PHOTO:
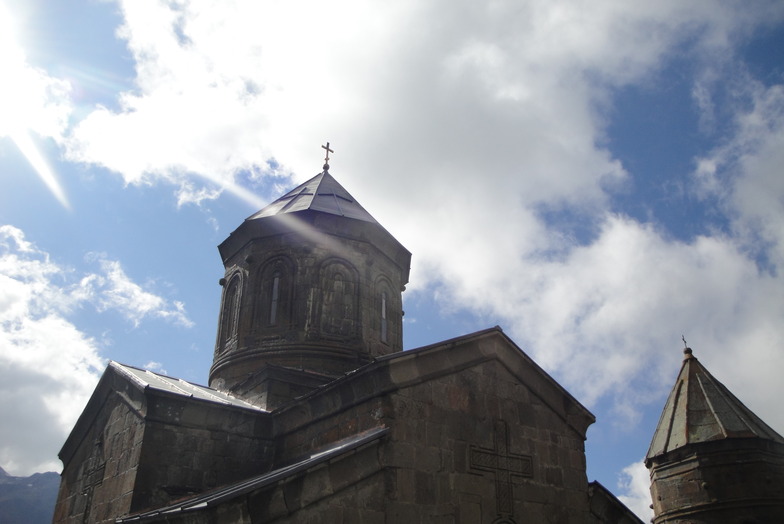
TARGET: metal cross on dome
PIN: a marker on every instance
(326, 158)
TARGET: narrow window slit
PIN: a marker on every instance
(274, 300)
(383, 317)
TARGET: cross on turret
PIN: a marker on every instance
(326, 158)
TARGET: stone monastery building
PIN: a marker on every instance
(315, 414)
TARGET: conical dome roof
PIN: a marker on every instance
(701, 409)
(320, 193)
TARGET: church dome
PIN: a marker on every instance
(312, 290)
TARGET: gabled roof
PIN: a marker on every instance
(701, 409)
(146, 379)
(320, 193)
(144, 383)
(415, 366)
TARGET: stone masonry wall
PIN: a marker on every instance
(477, 445)
(325, 432)
(192, 446)
(468, 446)
(350, 489)
(731, 480)
(347, 489)
(98, 482)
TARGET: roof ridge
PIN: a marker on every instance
(179, 386)
(710, 403)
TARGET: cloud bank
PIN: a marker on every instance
(487, 125)
(49, 366)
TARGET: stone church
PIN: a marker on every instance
(314, 413)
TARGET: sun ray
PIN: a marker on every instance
(28, 102)
(30, 151)
(240, 192)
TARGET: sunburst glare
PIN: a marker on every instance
(30, 102)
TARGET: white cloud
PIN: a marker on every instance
(607, 317)
(744, 174)
(156, 367)
(471, 118)
(224, 87)
(30, 99)
(634, 482)
(49, 366)
(113, 290)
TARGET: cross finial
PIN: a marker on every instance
(326, 158)
(686, 349)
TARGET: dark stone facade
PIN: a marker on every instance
(315, 414)
(136, 447)
(464, 432)
(729, 481)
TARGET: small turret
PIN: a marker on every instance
(712, 459)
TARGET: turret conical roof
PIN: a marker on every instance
(701, 409)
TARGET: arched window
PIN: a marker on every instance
(386, 314)
(274, 299)
(231, 312)
(273, 296)
(339, 300)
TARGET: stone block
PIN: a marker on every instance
(428, 459)
(316, 485)
(405, 487)
(424, 488)
(403, 454)
(403, 513)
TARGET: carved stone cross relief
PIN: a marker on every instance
(504, 465)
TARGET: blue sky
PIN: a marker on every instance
(597, 180)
